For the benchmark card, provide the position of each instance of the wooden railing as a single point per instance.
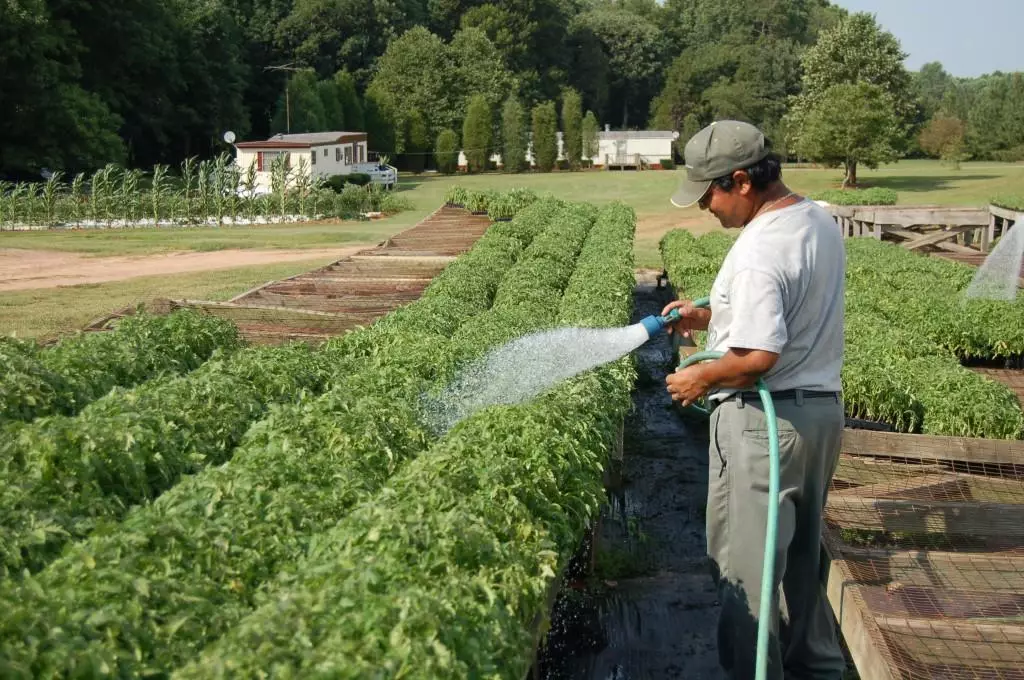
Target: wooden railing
(952, 229)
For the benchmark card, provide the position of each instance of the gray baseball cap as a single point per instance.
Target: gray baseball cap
(717, 150)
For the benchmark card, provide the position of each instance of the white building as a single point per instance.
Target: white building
(326, 154)
(620, 148)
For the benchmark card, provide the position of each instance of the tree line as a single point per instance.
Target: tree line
(142, 82)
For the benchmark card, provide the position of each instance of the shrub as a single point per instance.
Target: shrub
(446, 151)
(667, 163)
(336, 183)
(358, 178)
(456, 195)
(873, 196)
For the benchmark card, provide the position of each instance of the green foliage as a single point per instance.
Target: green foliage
(849, 124)
(590, 137)
(456, 536)
(1010, 202)
(456, 195)
(80, 368)
(514, 136)
(446, 152)
(907, 328)
(856, 103)
(545, 136)
(635, 48)
(209, 192)
(872, 196)
(572, 132)
(66, 475)
(420, 73)
(943, 138)
(306, 469)
(476, 133)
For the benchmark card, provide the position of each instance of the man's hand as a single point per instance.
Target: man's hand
(691, 318)
(687, 385)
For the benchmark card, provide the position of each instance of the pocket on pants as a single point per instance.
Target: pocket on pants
(756, 459)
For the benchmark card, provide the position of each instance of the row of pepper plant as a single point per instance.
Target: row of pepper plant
(207, 192)
(67, 376)
(65, 475)
(445, 571)
(908, 331)
(142, 596)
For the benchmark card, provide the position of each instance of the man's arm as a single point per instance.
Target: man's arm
(737, 369)
(756, 336)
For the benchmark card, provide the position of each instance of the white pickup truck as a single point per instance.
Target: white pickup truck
(380, 173)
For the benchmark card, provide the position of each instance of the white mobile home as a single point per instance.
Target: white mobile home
(625, 148)
(326, 154)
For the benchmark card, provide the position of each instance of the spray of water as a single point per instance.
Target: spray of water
(998, 275)
(525, 368)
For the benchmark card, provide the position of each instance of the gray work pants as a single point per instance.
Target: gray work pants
(803, 642)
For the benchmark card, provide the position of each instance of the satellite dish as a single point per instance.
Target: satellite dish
(229, 137)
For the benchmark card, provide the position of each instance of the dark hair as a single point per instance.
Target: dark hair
(762, 173)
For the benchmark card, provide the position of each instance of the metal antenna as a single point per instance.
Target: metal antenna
(290, 66)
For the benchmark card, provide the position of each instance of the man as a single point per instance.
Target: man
(777, 313)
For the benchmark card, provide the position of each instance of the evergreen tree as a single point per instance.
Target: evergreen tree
(572, 134)
(476, 133)
(545, 136)
(514, 136)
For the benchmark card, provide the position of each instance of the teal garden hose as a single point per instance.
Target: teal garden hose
(772, 528)
(772, 522)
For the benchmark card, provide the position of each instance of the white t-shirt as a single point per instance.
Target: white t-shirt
(781, 289)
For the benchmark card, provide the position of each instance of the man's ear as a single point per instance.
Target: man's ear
(742, 181)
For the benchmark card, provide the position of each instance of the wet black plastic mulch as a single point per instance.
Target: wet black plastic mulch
(648, 610)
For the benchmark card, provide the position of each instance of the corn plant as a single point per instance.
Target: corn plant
(232, 181)
(128, 196)
(77, 199)
(280, 173)
(51, 195)
(30, 193)
(249, 185)
(7, 203)
(204, 189)
(102, 195)
(302, 184)
(188, 186)
(158, 192)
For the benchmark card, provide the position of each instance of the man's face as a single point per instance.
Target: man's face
(732, 208)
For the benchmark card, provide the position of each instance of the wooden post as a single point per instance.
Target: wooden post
(988, 234)
(878, 231)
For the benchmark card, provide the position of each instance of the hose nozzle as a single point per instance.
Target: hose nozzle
(655, 324)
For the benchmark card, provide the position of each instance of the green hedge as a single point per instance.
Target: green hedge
(874, 196)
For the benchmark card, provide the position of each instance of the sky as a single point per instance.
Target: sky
(969, 37)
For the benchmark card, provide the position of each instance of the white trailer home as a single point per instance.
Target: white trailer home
(616, 148)
(326, 154)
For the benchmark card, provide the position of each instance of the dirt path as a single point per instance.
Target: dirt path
(24, 269)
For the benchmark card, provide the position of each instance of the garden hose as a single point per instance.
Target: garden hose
(771, 530)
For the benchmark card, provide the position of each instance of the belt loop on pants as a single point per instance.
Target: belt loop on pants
(739, 400)
(799, 396)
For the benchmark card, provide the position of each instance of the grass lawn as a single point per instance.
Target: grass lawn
(50, 311)
(45, 311)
